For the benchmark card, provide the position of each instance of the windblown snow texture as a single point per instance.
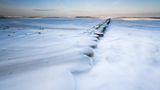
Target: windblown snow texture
(79, 54)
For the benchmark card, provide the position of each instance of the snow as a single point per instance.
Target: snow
(127, 58)
(38, 54)
(46, 78)
(64, 54)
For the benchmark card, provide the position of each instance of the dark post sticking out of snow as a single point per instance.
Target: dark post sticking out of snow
(101, 28)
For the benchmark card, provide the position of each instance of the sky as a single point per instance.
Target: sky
(71, 8)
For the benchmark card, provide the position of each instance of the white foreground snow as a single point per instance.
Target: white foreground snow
(44, 54)
(55, 54)
(128, 58)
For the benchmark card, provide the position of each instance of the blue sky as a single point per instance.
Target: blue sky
(111, 8)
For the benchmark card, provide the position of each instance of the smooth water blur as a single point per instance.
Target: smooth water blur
(46, 23)
(140, 24)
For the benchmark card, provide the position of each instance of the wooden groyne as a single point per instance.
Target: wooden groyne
(101, 28)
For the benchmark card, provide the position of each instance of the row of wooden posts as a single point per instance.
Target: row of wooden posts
(101, 28)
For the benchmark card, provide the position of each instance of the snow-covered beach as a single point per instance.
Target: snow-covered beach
(127, 58)
(62, 54)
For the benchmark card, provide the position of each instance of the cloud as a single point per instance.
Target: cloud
(41, 10)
